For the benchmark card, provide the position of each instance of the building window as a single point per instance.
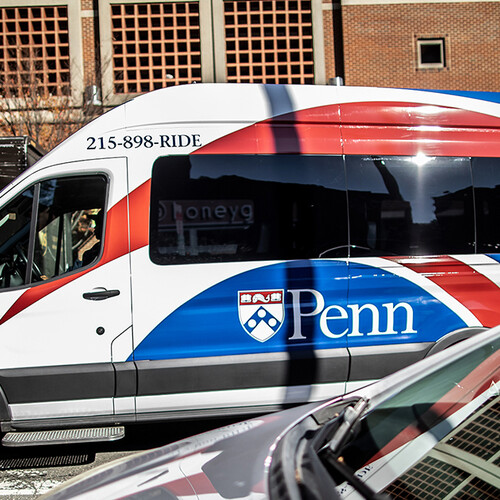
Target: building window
(155, 45)
(431, 53)
(269, 41)
(34, 51)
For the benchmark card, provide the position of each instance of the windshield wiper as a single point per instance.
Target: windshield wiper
(343, 433)
(331, 451)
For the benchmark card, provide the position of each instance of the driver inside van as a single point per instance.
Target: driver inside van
(88, 249)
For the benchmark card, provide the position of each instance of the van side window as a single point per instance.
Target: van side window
(410, 205)
(15, 221)
(486, 175)
(213, 208)
(67, 234)
(69, 225)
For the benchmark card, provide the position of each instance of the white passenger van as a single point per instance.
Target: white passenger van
(222, 249)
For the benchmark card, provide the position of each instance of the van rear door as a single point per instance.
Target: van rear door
(406, 214)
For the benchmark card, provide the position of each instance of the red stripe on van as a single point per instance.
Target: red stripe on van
(270, 137)
(391, 128)
(398, 128)
(475, 291)
(139, 201)
(116, 244)
(178, 487)
(409, 114)
(201, 484)
(406, 141)
(309, 131)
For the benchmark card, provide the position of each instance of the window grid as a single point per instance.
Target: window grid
(155, 45)
(477, 488)
(429, 478)
(269, 41)
(34, 51)
(480, 436)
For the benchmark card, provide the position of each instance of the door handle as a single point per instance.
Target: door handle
(101, 294)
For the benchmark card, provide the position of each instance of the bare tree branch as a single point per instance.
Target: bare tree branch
(29, 105)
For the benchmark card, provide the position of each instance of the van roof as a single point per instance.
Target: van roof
(242, 105)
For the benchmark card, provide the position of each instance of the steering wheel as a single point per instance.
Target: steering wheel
(22, 262)
(5, 275)
(334, 250)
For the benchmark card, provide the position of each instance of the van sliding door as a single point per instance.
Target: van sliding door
(242, 285)
(407, 215)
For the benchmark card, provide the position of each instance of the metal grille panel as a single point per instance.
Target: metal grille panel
(474, 448)
(481, 436)
(269, 41)
(478, 489)
(429, 479)
(62, 436)
(34, 51)
(155, 45)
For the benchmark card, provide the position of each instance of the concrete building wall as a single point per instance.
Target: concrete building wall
(89, 43)
(367, 42)
(329, 39)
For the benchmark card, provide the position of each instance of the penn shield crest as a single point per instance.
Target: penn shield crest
(261, 312)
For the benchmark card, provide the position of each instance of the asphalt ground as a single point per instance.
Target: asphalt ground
(29, 472)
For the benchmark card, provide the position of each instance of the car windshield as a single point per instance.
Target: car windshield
(437, 438)
(433, 433)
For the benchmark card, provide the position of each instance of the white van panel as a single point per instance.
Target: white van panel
(194, 328)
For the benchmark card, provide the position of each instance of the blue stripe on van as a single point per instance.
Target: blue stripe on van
(210, 324)
(483, 96)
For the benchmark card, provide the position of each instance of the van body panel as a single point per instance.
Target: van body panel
(262, 245)
(230, 373)
(58, 383)
(225, 329)
(28, 414)
(209, 331)
(52, 316)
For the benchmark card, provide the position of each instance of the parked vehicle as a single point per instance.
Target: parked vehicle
(16, 155)
(431, 430)
(229, 249)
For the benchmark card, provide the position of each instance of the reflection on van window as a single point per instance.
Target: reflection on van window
(211, 208)
(68, 229)
(486, 175)
(69, 225)
(15, 220)
(411, 205)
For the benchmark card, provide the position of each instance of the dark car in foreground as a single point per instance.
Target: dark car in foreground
(431, 430)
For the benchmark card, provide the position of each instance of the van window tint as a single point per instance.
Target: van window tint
(69, 225)
(410, 205)
(15, 222)
(486, 175)
(211, 208)
(52, 228)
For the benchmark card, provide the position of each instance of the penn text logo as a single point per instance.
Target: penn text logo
(262, 313)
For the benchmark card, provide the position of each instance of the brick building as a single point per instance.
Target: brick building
(439, 44)
(109, 50)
